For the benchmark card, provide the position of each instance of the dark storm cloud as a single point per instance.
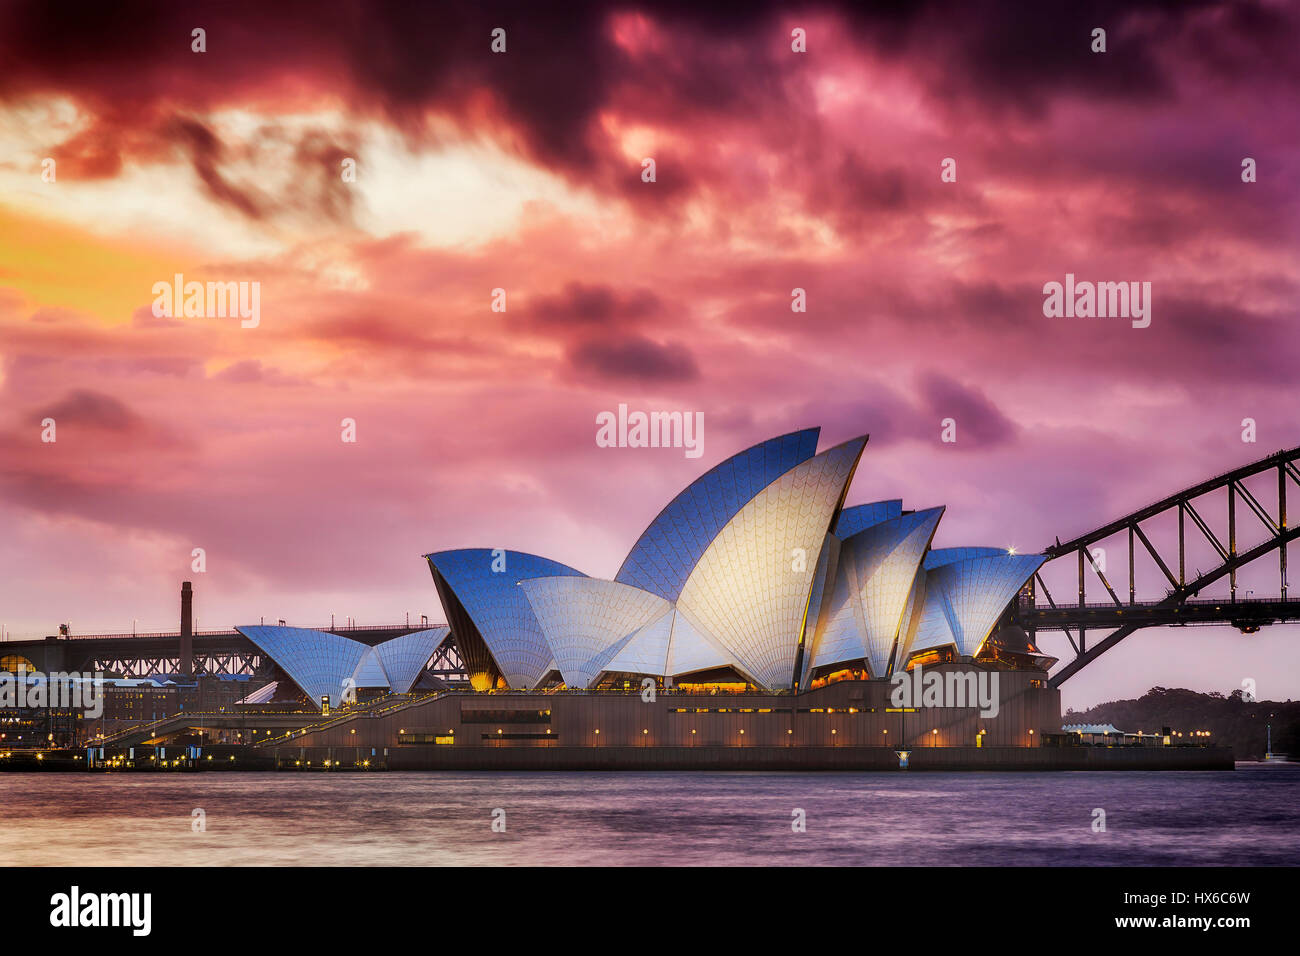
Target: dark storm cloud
(891, 417)
(205, 154)
(635, 359)
(980, 423)
(130, 64)
(595, 304)
(91, 409)
(875, 410)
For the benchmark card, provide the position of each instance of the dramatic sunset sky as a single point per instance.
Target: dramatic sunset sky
(522, 171)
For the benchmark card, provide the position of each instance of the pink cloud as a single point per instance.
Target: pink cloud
(776, 171)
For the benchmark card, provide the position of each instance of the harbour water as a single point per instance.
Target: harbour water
(1250, 817)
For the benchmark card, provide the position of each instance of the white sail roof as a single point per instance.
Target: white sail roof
(751, 588)
(586, 621)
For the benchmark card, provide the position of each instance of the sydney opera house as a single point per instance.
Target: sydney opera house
(756, 574)
(755, 611)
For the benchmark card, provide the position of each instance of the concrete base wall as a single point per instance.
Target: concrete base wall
(847, 714)
(849, 725)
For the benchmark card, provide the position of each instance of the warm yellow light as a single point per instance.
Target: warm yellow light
(935, 731)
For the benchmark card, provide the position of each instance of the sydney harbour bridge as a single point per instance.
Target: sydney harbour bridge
(1203, 523)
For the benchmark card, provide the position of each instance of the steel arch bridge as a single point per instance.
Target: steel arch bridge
(1180, 604)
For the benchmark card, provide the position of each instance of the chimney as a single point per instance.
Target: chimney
(187, 629)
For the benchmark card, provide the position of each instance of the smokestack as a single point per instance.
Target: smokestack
(187, 629)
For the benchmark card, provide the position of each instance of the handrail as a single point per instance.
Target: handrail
(365, 712)
(181, 716)
(1192, 602)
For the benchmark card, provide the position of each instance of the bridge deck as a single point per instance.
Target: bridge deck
(1252, 611)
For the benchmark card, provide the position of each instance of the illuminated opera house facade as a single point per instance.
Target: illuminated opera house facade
(756, 610)
(754, 575)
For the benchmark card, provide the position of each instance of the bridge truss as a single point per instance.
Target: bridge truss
(1180, 604)
(215, 653)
